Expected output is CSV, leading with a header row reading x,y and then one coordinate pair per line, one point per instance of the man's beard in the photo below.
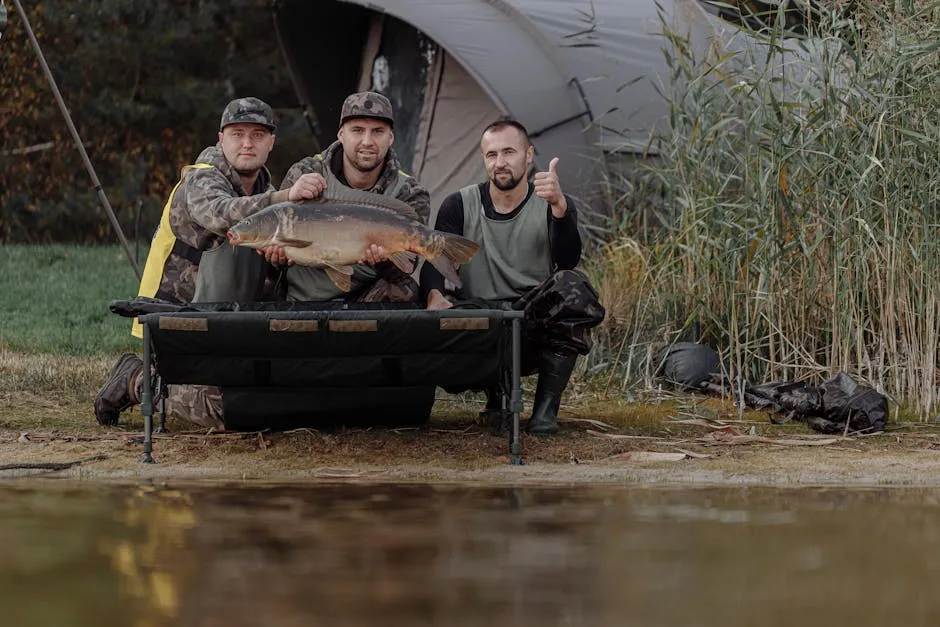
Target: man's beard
x,y
363,166
506,184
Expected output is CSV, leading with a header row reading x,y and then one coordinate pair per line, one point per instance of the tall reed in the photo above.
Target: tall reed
x,y
799,229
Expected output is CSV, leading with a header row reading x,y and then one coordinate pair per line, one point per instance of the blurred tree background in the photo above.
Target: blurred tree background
x,y
145,82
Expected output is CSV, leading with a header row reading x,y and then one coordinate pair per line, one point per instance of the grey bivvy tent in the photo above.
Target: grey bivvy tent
x,y
582,75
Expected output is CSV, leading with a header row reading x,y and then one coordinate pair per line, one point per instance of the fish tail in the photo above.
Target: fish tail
x,y
453,250
458,249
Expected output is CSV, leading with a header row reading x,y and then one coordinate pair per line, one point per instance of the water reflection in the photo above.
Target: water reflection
x,y
353,554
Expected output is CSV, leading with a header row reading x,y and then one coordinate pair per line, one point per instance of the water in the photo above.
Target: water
x,y
74,554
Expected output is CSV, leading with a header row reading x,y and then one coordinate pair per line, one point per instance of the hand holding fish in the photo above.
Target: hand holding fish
x,y
275,255
374,254
548,188
307,187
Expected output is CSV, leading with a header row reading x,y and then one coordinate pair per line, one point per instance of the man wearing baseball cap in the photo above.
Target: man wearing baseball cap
x,y
361,158
189,255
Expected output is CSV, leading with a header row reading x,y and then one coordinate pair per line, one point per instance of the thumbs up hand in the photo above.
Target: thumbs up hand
x,y
548,188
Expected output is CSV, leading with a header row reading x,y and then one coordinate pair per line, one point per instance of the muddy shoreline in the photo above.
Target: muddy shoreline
x,y
661,442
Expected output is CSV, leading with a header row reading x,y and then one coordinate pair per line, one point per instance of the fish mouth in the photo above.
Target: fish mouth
x,y
232,237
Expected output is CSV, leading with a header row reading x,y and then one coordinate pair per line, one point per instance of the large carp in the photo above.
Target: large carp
x,y
335,230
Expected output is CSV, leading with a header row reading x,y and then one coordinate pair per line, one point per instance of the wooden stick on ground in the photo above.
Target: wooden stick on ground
x,y
51,465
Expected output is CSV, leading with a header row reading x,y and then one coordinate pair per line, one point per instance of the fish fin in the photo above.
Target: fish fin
x,y
445,267
341,276
340,193
403,260
293,243
457,250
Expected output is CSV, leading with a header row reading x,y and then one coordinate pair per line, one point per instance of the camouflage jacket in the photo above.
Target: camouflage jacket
x,y
411,191
207,202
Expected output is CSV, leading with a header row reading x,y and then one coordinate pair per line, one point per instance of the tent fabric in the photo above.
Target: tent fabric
x,y
457,111
567,69
512,62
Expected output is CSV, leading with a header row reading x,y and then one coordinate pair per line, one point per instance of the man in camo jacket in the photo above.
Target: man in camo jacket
x,y
362,157
228,182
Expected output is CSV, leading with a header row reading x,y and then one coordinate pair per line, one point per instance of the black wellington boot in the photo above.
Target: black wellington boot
x,y
554,373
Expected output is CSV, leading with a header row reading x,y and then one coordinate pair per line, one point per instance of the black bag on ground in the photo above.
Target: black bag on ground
x,y
839,405
688,365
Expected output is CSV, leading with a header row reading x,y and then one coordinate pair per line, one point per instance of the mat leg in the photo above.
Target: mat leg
x,y
161,406
146,400
515,401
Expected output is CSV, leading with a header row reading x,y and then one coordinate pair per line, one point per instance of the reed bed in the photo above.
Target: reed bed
x,y
797,227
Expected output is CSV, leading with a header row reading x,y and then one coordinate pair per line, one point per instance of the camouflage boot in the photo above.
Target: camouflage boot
x,y
554,372
120,390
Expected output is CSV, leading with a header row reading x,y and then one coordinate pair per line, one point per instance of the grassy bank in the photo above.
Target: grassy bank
x,y
54,300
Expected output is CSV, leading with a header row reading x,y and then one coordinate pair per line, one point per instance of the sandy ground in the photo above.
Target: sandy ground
x,y
669,443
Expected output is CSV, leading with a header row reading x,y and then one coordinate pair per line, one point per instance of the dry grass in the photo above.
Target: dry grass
x,y
68,375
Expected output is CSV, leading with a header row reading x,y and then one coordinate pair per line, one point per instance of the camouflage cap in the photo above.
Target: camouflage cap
x,y
248,111
367,104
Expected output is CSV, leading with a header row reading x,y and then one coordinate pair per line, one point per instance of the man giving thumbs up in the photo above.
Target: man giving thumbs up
x,y
530,245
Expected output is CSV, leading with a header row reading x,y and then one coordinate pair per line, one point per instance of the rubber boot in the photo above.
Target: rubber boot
x,y
554,372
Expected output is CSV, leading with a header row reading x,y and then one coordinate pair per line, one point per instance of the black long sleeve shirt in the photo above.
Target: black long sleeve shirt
x,y
563,236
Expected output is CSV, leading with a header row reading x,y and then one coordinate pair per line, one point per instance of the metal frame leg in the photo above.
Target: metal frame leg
x,y
515,402
146,400
161,405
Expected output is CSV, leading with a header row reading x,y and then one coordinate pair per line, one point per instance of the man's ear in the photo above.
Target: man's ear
x,y
529,154
392,135
339,134
220,136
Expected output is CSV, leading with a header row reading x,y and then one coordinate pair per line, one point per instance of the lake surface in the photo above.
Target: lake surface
x,y
92,554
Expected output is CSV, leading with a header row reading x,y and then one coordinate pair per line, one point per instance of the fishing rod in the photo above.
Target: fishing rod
x,y
102,197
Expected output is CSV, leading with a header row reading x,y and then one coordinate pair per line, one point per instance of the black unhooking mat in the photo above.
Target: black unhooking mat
x,y
287,365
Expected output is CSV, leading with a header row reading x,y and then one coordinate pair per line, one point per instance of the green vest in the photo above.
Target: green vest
x,y
229,274
306,283
514,254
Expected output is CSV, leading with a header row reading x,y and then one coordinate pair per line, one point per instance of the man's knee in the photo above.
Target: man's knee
x,y
402,289
198,404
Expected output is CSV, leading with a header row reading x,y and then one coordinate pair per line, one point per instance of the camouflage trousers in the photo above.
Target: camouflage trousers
x,y
560,313
198,404
395,287
202,405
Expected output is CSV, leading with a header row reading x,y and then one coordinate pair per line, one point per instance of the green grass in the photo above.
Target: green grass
x,y
54,299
